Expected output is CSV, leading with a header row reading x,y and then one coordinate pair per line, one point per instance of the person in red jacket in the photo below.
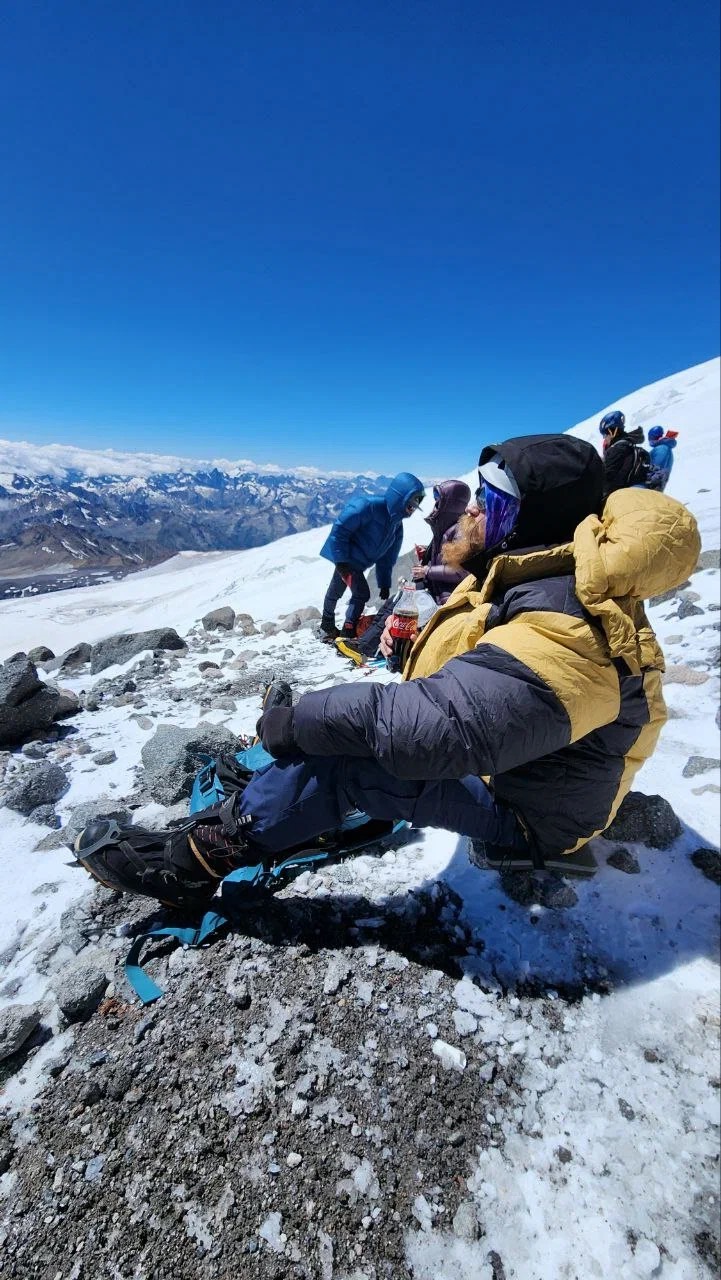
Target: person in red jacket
x,y
451,502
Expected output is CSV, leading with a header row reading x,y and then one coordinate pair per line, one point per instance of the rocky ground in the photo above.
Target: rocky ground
x,y
340,1088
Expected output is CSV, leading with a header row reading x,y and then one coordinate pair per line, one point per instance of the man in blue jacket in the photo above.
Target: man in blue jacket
x,y
368,531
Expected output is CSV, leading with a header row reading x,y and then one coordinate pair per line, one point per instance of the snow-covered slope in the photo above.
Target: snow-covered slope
x,y
625,1086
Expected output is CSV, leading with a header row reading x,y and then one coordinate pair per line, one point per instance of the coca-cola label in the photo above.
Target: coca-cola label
x,y
403,626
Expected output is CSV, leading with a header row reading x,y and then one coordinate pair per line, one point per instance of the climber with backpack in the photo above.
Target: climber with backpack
x,y
626,464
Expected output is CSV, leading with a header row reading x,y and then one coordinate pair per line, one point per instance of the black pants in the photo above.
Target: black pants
x,y
360,594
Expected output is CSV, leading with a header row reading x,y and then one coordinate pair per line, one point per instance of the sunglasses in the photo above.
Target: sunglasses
x,y
479,496
415,502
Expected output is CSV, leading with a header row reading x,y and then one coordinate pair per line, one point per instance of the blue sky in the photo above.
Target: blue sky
x,y
367,234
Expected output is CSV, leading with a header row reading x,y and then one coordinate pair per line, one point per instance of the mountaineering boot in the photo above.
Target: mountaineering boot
x,y
580,865
348,650
278,693
181,867
327,631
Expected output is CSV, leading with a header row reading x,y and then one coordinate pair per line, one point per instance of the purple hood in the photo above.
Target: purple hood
x,y
454,496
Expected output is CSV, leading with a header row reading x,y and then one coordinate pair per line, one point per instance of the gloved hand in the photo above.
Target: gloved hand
x,y
384,593
275,730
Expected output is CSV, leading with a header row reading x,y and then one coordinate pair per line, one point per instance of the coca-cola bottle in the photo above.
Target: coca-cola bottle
x,y
404,625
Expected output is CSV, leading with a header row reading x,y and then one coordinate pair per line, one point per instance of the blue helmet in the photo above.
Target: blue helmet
x,y
655,434
613,421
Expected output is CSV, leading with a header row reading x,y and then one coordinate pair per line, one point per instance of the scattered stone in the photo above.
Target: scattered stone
x,y
465,1221
681,673
77,656
68,704
143,722
105,757
79,988
564,1155
222,619
708,862
673,593
623,860
687,609
27,706
557,894
626,1109
700,764
709,560
673,639
711,787
119,648
170,758
55,839
520,886
208,666
245,624
223,704
45,816
240,994
293,1159
38,784
40,653
17,1022
38,750
643,819
94,1169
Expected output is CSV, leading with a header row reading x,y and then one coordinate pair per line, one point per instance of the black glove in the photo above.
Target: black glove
x,y
384,593
344,570
275,730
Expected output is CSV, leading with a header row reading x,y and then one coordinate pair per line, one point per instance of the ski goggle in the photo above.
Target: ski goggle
x,y
414,503
436,493
501,515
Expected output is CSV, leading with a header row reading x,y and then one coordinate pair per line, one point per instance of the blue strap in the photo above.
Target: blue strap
x,y
253,877
142,985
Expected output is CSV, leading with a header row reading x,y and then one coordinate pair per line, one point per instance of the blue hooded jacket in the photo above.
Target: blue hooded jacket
x,y
370,530
662,455
661,462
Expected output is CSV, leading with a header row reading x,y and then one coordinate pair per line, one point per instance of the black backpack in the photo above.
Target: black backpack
x,y
640,467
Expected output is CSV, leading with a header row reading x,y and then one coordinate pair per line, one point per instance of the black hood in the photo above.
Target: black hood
x,y
635,436
561,482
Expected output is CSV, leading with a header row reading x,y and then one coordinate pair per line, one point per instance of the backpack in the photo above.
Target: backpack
x,y
640,467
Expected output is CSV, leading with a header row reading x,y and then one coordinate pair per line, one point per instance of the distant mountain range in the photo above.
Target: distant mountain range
x,y
70,517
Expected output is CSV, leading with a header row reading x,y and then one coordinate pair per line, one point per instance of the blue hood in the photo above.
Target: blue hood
x,y
400,491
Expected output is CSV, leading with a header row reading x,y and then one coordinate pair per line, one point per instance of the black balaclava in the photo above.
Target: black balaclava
x,y
560,479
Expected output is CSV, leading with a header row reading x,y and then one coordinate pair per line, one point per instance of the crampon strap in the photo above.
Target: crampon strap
x,y
234,896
